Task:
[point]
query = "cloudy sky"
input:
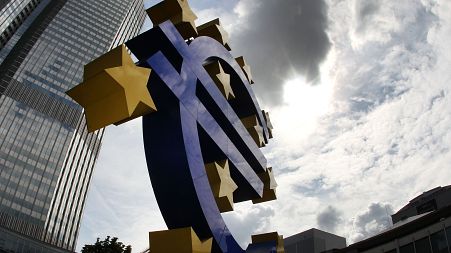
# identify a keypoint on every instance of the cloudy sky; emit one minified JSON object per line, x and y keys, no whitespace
{"x":359,"y":95}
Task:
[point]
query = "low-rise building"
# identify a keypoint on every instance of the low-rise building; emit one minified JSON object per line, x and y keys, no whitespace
{"x":431,"y":200}
{"x":313,"y":241}
{"x":422,"y":226}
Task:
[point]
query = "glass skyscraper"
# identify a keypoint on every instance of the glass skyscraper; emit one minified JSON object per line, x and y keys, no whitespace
{"x":46,"y":155}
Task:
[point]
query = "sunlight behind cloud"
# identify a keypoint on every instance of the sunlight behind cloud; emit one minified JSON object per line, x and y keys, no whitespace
{"x":303,"y":106}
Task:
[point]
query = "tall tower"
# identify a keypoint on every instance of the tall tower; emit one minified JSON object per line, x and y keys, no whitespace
{"x":46,"y":155}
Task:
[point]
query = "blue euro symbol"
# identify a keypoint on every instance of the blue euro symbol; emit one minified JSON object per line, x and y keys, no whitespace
{"x":196,"y":125}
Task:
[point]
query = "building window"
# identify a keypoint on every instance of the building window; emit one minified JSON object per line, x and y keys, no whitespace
{"x":438,"y":242}
{"x":423,"y":245}
{"x":407,"y":248}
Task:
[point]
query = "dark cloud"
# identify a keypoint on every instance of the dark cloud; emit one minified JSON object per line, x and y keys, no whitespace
{"x":329,"y":219}
{"x":374,"y":220}
{"x":316,"y":187}
{"x":365,"y":10}
{"x":282,"y":39}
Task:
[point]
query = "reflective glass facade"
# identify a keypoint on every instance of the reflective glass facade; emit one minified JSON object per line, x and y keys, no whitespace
{"x":46,"y":154}
{"x":12,"y":15}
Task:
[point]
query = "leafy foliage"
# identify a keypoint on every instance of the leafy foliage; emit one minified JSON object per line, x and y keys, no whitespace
{"x":107,"y":246}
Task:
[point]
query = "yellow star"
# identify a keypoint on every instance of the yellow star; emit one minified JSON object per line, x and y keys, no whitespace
{"x":214,"y":30}
{"x":222,"y":184}
{"x":268,"y":123}
{"x":246,"y":68}
{"x":114,"y":90}
{"x":255,"y":130}
{"x":179,"y":12}
{"x":180,"y":240}
{"x":270,"y":237}
{"x":221,"y":79}
{"x":269,"y":190}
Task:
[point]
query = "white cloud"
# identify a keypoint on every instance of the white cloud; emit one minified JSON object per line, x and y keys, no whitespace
{"x":247,"y":220}
{"x":372,"y":221}
{"x":227,"y":19}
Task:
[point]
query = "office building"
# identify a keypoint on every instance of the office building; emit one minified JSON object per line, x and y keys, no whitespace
{"x":313,"y":241}
{"x":431,"y":200}
{"x":422,"y":226}
{"x":46,"y":155}
{"x":424,"y":233}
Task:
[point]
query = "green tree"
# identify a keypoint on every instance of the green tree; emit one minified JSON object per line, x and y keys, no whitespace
{"x":107,"y":246}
